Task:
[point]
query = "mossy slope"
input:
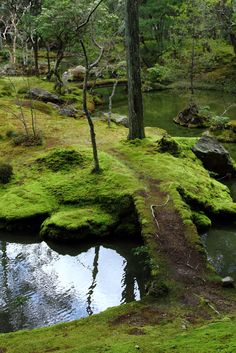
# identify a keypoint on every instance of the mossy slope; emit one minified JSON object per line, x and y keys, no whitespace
{"x":131,"y":328}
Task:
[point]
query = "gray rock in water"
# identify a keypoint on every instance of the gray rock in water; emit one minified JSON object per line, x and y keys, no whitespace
{"x":43,"y":95}
{"x":214,"y":156}
{"x":228,"y":282}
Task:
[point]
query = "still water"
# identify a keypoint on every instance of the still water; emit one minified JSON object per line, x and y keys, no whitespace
{"x":161,"y":107}
{"x":159,"y":110}
{"x":44,"y":284}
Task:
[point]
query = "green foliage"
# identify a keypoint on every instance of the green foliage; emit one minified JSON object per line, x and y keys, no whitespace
{"x":11,"y":133}
{"x":62,"y":159}
{"x":6,"y":172}
{"x":4,"y":55}
{"x":159,"y":73}
{"x":219,"y":121}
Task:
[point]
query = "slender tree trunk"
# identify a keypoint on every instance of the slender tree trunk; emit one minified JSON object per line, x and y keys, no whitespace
{"x":36,"y":55}
{"x":136,"y":124}
{"x":14,"y":49}
{"x":49,"y":73}
{"x":90,"y":122}
{"x":192,"y":66}
{"x":110,"y":102}
{"x":233,"y":41}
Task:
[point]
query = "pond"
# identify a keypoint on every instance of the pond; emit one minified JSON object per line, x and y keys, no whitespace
{"x":44,"y":284}
{"x":159,"y":110}
{"x":161,"y":107}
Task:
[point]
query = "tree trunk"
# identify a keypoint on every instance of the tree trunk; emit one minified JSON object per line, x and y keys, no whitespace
{"x":90,"y":122}
{"x":233,"y":41}
{"x":49,"y":73}
{"x":136,"y":125}
{"x":36,"y":55}
{"x":192,"y":66}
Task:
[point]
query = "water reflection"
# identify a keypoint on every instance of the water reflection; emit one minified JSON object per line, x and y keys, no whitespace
{"x":161,"y":107}
{"x":45,"y":284}
{"x":220,"y":243}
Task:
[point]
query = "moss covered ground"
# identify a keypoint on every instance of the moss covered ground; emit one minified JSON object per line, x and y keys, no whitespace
{"x":135,"y":327}
{"x":53,"y":188}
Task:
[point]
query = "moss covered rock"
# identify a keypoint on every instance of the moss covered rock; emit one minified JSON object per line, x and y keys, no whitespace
{"x":201,"y":221}
{"x":79,"y":223}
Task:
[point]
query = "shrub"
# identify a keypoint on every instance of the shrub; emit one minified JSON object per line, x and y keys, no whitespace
{"x":6,"y":172}
{"x":159,"y":73}
{"x":4,"y":55}
{"x":11,"y":133}
{"x":219,"y":121}
{"x":28,"y":140}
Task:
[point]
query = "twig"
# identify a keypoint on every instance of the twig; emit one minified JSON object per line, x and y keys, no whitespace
{"x":153,"y":211}
{"x":190,"y":266}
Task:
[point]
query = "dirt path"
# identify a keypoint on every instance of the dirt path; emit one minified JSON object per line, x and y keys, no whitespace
{"x":186,"y":265}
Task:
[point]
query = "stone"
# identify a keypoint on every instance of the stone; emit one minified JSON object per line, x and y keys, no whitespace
{"x":214,"y":156}
{"x":118,"y":119}
{"x":43,"y":95}
{"x":68,"y":111}
{"x":190,"y":117}
{"x":228,"y":282}
{"x":75,"y":74}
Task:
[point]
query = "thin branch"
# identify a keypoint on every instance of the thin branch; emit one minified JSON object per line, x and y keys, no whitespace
{"x":89,"y":16}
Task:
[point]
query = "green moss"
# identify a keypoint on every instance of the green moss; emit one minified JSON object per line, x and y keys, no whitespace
{"x":168,"y":144}
{"x":181,"y":176}
{"x":40,"y":191}
{"x":129,"y":328}
{"x":61,"y":159}
{"x":201,"y":221}
{"x":79,"y":223}
{"x":37,"y":105}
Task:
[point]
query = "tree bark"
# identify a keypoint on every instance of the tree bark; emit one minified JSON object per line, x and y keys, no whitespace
{"x":96,"y":168}
{"x":136,"y":124}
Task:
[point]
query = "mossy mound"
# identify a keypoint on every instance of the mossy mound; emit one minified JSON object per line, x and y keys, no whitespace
{"x":79,"y":223}
{"x":60,"y":181}
{"x":26,"y":206}
{"x":61,"y":159}
{"x":201,"y":221}
{"x":168,"y":144}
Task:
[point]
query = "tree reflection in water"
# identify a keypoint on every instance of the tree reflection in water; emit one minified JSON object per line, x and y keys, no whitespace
{"x":43,"y":284}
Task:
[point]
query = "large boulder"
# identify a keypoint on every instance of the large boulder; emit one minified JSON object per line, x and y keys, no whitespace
{"x":190,"y":117}
{"x":214,"y":156}
{"x":75,"y":74}
{"x":118,"y":119}
{"x":43,"y":95}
